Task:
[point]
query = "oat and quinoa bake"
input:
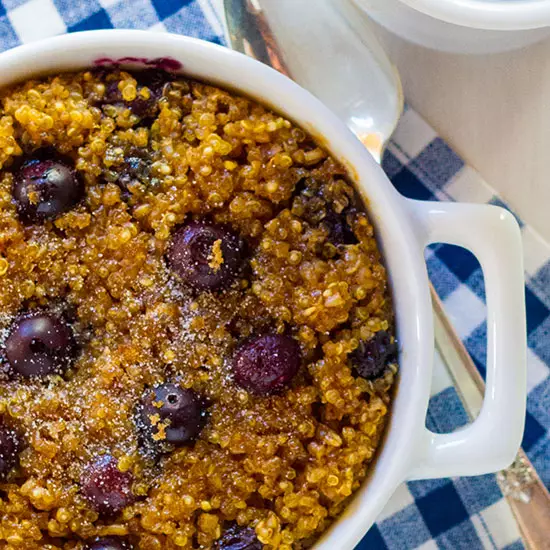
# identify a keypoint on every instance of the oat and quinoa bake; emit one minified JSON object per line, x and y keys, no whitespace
{"x":196,"y":335}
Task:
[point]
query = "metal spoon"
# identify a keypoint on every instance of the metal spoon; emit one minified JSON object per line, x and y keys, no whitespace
{"x":349,"y":72}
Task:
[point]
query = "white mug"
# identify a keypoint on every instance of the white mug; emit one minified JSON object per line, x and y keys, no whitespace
{"x":464,"y":26}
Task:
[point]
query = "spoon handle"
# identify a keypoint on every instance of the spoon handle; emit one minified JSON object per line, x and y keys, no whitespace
{"x":250,"y":33}
{"x":368,"y":94}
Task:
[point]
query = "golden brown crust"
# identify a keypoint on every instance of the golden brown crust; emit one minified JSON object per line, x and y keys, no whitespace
{"x":284,"y":464}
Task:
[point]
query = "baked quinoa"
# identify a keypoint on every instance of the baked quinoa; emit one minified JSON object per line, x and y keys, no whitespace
{"x":196,"y":331}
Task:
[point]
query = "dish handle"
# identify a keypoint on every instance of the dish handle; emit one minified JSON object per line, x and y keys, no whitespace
{"x":490,"y":442}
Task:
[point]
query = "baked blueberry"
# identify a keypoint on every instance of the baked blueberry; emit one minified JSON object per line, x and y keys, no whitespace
{"x":339,"y":230}
{"x":206,"y":256}
{"x":39,"y":344}
{"x":170,"y":414}
{"x":45,"y":188}
{"x":105,"y":487}
{"x":238,"y":538}
{"x":266,"y":364}
{"x":371,"y":358}
{"x":10,"y":446}
{"x":155,"y":80}
{"x":144,"y":107}
{"x":136,"y":168}
{"x":108,"y":543}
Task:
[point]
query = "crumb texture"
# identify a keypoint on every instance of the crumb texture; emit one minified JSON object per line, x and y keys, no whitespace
{"x":140,"y":434}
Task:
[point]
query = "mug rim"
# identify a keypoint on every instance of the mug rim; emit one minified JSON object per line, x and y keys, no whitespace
{"x":500,"y":15}
{"x":395,"y":229}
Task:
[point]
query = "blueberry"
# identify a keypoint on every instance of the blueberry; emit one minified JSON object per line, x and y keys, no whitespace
{"x":107,"y":543}
{"x":155,"y":80}
{"x":170,"y":414}
{"x":315,"y":208}
{"x":206,"y":256}
{"x":144,"y":108}
{"x":140,"y":106}
{"x":371,"y":358}
{"x":105,"y":487}
{"x":136,"y":168}
{"x":10,"y":446}
{"x":266,"y":364}
{"x":112,"y":95}
{"x":45,"y":188}
{"x":238,"y":538}
{"x":339,"y":231}
{"x":39,"y":344}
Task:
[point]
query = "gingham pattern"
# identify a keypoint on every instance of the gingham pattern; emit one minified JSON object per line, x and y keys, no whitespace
{"x":467,"y":513}
{"x":464,"y":512}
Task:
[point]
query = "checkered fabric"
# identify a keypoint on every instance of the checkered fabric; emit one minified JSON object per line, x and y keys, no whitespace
{"x":467,"y":513}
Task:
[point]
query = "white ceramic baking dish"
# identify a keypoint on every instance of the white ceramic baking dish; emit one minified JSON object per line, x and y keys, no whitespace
{"x":404,"y":228}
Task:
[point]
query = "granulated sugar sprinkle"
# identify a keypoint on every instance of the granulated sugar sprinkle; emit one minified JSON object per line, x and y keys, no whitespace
{"x":154,"y":152}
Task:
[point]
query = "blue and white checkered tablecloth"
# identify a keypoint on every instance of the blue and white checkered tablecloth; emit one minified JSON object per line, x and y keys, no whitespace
{"x":468,"y":513}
